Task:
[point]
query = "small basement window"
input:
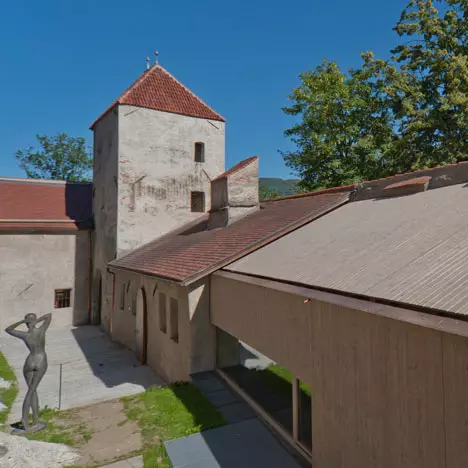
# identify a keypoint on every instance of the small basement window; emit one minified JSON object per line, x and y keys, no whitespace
{"x":62,"y":298}
{"x":174,"y":320}
{"x":200,"y":152}
{"x":162,"y":313}
{"x":197,"y":202}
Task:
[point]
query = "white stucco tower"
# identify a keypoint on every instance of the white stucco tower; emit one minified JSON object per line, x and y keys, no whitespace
{"x":156,"y":148}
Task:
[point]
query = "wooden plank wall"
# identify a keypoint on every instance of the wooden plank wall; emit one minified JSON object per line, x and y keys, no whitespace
{"x":385,"y":393}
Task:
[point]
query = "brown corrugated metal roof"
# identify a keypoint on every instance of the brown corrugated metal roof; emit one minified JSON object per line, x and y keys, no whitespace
{"x":37,"y":204}
{"x":192,"y":251}
{"x":411,"y":249}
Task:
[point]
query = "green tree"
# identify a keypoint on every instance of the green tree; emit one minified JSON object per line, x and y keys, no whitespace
{"x":342,"y":131}
{"x":407,"y":112}
{"x":61,"y":157}
{"x":266,"y":193}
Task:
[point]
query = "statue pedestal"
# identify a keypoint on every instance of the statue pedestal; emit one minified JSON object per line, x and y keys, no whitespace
{"x":18,"y":429}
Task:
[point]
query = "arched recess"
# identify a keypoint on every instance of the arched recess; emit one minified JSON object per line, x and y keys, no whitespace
{"x":141,"y":326}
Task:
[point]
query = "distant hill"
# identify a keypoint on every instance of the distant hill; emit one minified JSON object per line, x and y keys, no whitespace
{"x":284,"y":186}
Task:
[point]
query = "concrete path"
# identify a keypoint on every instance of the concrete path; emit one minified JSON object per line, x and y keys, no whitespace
{"x":93,"y":369}
{"x":135,"y":462}
{"x":247,"y":444}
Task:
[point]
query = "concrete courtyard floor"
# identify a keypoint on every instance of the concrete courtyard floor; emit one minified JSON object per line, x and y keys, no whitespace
{"x":85,"y":367}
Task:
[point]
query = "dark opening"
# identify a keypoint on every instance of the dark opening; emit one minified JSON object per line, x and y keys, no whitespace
{"x":162,"y":313}
{"x":197,"y":202}
{"x":174,"y":320}
{"x":62,"y":298}
{"x":199,"y":152}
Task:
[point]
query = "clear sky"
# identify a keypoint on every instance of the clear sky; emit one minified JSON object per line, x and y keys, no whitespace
{"x":64,"y":61}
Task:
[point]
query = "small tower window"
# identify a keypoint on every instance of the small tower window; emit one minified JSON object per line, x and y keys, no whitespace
{"x":197,"y":202}
{"x":199,"y":152}
{"x":62,"y":298}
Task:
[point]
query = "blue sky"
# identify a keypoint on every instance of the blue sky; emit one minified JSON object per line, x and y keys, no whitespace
{"x":64,"y":61}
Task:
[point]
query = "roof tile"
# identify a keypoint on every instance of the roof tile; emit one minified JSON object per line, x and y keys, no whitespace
{"x":192,"y":251}
{"x":45,"y":203}
{"x":157,"y":89}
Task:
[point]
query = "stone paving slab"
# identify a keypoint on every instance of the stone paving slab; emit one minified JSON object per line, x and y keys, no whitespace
{"x":228,"y":404}
{"x":135,"y":462}
{"x":93,"y":369}
{"x":247,"y":444}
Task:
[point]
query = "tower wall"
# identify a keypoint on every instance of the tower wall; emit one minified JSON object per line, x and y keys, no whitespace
{"x":158,"y":172}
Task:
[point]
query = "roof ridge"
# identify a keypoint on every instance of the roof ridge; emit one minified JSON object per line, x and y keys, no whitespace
{"x":26,"y":180}
{"x":341,"y":188}
{"x":358,"y":185}
{"x":188,"y":90}
{"x":237,"y":167}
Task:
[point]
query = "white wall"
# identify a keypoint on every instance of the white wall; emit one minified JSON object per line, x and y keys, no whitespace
{"x":34,"y":265}
{"x":157,"y":171}
{"x":105,"y":202}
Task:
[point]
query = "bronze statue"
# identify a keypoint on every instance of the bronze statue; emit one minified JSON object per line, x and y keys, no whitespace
{"x":35,"y":365}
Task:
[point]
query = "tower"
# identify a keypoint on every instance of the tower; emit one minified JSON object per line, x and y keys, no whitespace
{"x":156,"y":149}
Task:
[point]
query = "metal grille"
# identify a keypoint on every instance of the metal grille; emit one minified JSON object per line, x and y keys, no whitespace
{"x":62,"y":298}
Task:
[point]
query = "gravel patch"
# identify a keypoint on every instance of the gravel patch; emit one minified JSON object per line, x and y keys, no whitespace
{"x":19,"y":452}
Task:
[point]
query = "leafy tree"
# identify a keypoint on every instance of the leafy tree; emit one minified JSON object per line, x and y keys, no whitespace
{"x":407,"y":112}
{"x":267,"y":193}
{"x":342,"y":131}
{"x":61,"y":157}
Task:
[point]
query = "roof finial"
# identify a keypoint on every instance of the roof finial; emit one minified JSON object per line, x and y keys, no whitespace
{"x":156,"y":54}
{"x":148,"y":60}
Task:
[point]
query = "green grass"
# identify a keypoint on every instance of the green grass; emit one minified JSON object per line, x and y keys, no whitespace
{"x":286,"y":376}
{"x":166,"y":413}
{"x":8,"y":395}
{"x":61,"y":428}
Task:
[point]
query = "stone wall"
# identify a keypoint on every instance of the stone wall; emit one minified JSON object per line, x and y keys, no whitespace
{"x":105,"y":195}
{"x":33,"y":266}
{"x":174,"y":360}
{"x":157,"y":171}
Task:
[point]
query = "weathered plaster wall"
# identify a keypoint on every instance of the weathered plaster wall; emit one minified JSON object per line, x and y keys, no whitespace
{"x":173,"y":361}
{"x":234,"y":196}
{"x":157,"y":171}
{"x":169,"y":359}
{"x":202,"y":332}
{"x":33,"y":266}
{"x":105,"y":196}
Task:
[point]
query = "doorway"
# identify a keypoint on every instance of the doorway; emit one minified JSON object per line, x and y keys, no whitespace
{"x":141,"y":327}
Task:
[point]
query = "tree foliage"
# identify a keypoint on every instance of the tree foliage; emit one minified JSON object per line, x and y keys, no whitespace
{"x":268,"y":193}
{"x":60,"y":157}
{"x":408,"y":112}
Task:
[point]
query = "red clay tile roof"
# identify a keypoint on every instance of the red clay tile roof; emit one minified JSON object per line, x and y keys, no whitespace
{"x":192,"y":252}
{"x":49,"y":205}
{"x":157,"y":89}
{"x":240,"y":165}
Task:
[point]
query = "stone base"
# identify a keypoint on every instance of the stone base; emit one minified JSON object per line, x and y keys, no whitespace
{"x":18,"y":429}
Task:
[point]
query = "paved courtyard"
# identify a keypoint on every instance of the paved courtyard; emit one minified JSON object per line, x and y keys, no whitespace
{"x":84,"y":363}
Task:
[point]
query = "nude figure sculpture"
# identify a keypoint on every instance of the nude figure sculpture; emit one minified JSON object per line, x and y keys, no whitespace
{"x":35,"y":366}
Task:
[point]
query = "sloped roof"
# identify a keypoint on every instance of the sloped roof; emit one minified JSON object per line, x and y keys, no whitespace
{"x":51,"y":205}
{"x":240,"y":165}
{"x":411,"y":250}
{"x":192,"y":251}
{"x":157,"y":89}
